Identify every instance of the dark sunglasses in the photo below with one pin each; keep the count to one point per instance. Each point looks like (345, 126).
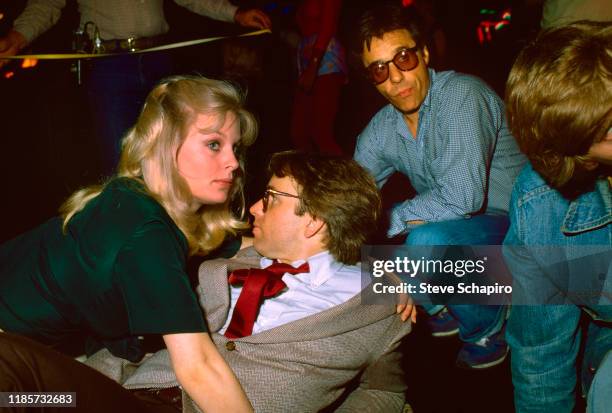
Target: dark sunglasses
(266, 197)
(406, 59)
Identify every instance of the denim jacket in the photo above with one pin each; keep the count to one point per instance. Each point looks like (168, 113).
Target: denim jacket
(559, 252)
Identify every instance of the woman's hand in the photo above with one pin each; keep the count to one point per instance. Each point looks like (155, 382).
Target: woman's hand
(204, 374)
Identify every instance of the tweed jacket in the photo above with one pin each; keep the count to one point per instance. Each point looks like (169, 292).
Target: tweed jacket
(346, 357)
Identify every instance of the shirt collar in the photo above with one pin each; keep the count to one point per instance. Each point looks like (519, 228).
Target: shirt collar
(432, 83)
(589, 211)
(323, 266)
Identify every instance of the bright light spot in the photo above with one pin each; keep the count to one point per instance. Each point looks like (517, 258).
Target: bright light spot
(501, 24)
(27, 63)
(9, 75)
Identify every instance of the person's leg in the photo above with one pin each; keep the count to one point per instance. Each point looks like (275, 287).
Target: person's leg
(116, 90)
(600, 394)
(114, 95)
(28, 366)
(301, 121)
(478, 230)
(475, 321)
(597, 367)
(325, 101)
(544, 341)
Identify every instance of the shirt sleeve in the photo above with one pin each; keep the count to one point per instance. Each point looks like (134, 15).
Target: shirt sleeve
(369, 152)
(150, 270)
(38, 17)
(463, 149)
(215, 9)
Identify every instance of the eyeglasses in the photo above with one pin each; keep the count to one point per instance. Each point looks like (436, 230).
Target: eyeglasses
(406, 59)
(266, 197)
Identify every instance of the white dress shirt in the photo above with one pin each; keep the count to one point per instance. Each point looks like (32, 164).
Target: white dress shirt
(328, 284)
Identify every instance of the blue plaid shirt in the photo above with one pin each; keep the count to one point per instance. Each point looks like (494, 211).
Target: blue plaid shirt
(463, 161)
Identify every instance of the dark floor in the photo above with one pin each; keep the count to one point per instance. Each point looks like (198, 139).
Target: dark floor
(47, 153)
(436, 385)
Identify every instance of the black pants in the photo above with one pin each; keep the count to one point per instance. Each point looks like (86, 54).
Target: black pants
(28, 366)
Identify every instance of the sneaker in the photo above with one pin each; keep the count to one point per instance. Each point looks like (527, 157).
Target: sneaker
(486, 352)
(442, 324)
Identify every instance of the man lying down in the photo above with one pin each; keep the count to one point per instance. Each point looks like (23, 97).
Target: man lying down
(291, 318)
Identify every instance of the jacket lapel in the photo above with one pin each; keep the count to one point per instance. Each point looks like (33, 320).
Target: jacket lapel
(215, 299)
(213, 288)
(349, 316)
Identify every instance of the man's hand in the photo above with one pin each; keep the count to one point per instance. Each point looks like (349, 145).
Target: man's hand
(254, 18)
(406, 308)
(10, 45)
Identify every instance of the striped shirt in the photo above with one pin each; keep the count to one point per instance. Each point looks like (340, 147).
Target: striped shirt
(463, 161)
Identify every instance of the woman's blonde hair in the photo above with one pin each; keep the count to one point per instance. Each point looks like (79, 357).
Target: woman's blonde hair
(149, 155)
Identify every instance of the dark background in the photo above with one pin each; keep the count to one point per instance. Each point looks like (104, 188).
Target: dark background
(47, 152)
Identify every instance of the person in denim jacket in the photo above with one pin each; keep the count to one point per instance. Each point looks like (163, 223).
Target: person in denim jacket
(559, 246)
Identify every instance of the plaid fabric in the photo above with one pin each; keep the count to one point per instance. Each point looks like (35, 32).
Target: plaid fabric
(463, 161)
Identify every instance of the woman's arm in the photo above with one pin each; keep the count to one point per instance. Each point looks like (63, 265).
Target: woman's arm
(204, 374)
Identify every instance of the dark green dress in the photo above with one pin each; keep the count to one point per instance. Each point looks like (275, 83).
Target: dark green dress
(117, 273)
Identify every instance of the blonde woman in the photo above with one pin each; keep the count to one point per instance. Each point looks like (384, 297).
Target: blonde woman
(112, 267)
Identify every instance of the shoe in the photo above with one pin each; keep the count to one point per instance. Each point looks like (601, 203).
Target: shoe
(486, 352)
(442, 324)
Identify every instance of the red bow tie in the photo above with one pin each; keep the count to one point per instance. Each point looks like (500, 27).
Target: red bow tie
(259, 284)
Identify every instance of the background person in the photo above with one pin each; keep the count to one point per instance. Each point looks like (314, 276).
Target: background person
(447, 133)
(117, 86)
(562, 12)
(559, 246)
(113, 267)
(322, 72)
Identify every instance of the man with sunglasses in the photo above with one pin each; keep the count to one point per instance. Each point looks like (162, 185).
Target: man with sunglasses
(314, 341)
(447, 133)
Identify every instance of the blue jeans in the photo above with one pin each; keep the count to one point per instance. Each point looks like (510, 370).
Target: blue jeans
(545, 341)
(116, 90)
(600, 393)
(475, 321)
